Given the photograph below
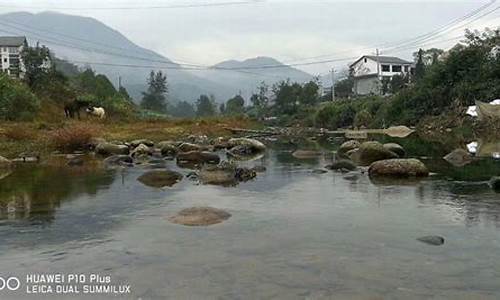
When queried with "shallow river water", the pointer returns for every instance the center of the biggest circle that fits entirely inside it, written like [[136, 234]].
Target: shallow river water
[[292, 235]]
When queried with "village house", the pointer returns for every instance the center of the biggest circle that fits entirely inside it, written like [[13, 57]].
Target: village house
[[10, 53], [370, 71]]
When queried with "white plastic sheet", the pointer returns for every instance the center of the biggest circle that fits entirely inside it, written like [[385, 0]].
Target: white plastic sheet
[[472, 110]]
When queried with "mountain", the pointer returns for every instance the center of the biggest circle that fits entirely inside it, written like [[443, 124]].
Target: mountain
[[89, 42], [248, 74]]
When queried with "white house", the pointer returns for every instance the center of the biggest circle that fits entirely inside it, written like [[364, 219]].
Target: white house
[[10, 53], [369, 71]]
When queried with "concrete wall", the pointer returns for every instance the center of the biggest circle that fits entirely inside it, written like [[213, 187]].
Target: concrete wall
[[367, 86]]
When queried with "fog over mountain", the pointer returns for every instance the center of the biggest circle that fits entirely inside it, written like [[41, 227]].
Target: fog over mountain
[[89, 42]]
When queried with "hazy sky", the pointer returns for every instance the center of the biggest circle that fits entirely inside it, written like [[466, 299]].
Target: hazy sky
[[286, 30]]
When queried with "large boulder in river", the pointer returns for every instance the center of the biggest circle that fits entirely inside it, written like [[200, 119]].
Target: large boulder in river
[[396, 148], [370, 152], [226, 174], [111, 149], [200, 216], [348, 146], [141, 150], [398, 168], [188, 147], [199, 157], [167, 148], [4, 162], [252, 145], [458, 158], [160, 178]]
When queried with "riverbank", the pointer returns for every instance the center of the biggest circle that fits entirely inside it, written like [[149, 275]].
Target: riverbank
[[39, 139]]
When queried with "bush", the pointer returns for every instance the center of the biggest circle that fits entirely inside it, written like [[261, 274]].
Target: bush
[[335, 115], [74, 137], [363, 118], [17, 102]]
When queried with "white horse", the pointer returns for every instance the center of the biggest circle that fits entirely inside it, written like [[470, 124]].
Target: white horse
[[97, 111]]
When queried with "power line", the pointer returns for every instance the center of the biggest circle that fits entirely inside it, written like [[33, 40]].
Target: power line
[[428, 34], [193, 5]]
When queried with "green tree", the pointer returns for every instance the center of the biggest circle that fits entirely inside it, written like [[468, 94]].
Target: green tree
[[36, 62], [260, 100], [17, 102], [420, 65], [205, 107], [155, 98], [235, 106], [344, 87]]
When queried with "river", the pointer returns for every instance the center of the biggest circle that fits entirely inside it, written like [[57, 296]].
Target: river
[[293, 234]]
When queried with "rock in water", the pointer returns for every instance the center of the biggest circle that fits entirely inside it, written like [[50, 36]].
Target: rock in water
[[495, 183], [198, 157], [167, 148], [141, 150], [200, 216], [370, 152], [253, 146], [433, 240], [396, 148], [111, 149], [458, 158], [348, 146], [226, 174], [342, 164], [188, 147], [136, 143], [160, 179], [398, 168], [319, 171]]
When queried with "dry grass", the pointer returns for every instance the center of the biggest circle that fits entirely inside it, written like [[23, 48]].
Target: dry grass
[[76, 136], [64, 135]]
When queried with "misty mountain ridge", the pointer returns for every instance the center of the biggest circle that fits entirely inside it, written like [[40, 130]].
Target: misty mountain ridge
[[88, 42]]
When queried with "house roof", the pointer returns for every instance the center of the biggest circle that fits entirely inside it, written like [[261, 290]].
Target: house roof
[[12, 41], [384, 60]]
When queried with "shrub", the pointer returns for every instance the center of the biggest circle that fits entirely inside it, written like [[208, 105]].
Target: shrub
[[363, 118], [19, 133], [75, 137], [17, 103]]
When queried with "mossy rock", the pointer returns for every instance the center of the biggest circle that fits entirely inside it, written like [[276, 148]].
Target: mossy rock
[[160, 178], [399, 168], [200, 216], [370, 152]]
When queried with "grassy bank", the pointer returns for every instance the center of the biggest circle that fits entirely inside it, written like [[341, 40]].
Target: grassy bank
[[38, 138]]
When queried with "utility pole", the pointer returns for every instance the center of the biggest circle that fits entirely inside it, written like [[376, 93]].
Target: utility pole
[[333, 84], [119, 82], [378, 63]]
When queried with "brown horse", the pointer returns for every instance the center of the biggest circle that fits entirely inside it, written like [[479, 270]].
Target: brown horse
[[74, 107]]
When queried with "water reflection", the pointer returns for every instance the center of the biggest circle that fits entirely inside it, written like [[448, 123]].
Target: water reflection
[[35, 192]]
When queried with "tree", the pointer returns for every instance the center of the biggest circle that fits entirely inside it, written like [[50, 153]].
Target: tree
[[344, 87], [260, 100], [420, 65], [156, 96], [205, 107], [429, 56], [36, 63], [309, 95], [235, 106], [397, 83]]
